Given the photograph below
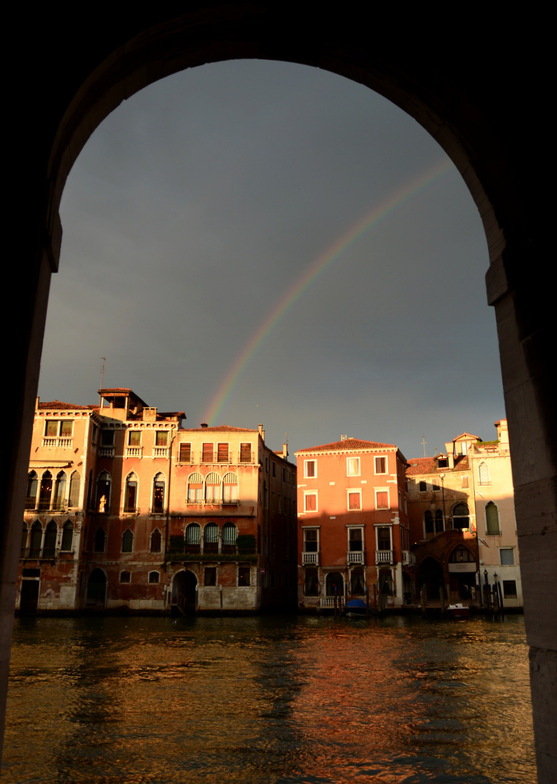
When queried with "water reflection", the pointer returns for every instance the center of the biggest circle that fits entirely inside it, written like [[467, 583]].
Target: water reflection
[[252, 700]]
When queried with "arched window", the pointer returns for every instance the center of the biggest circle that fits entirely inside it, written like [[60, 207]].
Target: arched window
[[211, 538], [127, 541], [311, 582], [334, 584], [24, 532], [483, 474], [195, 488], [461, 516], [36, 539], [45, 490], [158, 494], [49, 548], [32, 487], [60, 491], [67, 536], [130, 493], [193, 538], [125, 577], [154, 577], [75, 487], [100, 540], [492, 519], [229, 536], [230, 488], [428, 523], [213, 487], [439, 524], [103, 492], [156, 541]]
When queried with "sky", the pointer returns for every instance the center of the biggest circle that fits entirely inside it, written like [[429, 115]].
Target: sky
[[256, 242]]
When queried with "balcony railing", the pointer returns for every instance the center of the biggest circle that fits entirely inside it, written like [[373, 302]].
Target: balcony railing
[[57, 443], [134, 451], [355, 557], [160, 451], [408, 558], [310, 559], [384, 557]]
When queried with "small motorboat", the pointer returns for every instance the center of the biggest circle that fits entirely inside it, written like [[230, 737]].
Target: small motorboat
[[356, 608], [458, 610]]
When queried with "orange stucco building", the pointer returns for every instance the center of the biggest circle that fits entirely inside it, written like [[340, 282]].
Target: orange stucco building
[[353, 533], [126, 509]]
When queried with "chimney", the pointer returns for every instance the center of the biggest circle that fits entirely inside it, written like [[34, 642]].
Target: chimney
[[204, 424], [261, 431]]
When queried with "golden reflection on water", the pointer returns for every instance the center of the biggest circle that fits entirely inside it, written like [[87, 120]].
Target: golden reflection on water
[[271, 700]]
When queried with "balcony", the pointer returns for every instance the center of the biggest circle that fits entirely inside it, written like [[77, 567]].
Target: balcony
[[160, 451], [408, 558], [134, 451], [355, 557], [384, 557], [310, 559], [58, 442]]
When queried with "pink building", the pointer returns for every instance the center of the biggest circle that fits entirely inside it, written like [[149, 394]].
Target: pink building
[[353, 534]]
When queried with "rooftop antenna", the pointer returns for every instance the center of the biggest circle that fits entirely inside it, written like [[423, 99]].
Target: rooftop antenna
[[102, 378], [424, 442]]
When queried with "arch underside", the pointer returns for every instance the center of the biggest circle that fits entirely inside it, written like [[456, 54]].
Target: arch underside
[[464, 84]]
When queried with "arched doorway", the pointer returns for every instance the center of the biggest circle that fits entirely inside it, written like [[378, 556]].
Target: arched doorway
[[470, 108], [184, 592], [95, 598], [430, 579]]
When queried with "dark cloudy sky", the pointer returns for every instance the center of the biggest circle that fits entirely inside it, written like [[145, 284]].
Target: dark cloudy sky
[[199, 204]]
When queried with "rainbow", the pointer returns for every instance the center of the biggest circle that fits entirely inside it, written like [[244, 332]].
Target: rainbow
[[321, 264]]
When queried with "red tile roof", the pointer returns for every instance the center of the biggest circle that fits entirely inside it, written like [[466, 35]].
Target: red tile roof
[[218, 429], [347, 445], [58, 405]]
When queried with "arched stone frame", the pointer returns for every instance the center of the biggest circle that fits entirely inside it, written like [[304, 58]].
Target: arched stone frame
[[103, 492], [211, 536], [131, 491], [36, 539], [155, 541], [59, 496], [213, 487], [492, 519], [158, 495], [66, 543], [461, 516], [32, 490], [194, 488], [50, 539], [471, 111], [45, 491], [127, 541], [74, 496]]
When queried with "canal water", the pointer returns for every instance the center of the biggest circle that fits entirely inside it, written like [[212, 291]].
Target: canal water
[[263, 700]]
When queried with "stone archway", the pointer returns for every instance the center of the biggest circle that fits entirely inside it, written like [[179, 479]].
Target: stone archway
[[184, 592], [461, 87]]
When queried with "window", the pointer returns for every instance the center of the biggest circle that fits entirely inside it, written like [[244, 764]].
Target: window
[[127, 541], [492, 519], [24, 533], [60, 491], [67, 536], [193, 538], [130, 493], [245, 453], [230, 488], [154, 577], [355, 540], [156, 541], [103, 492], [310, 469], [161, 438], [428, 523], [158, 494], [483, 474], [352, 466], [380, 465], [58, 429], [334, 584], [229, 536], [207, 453], [125, 577], [354, 500], [45, 490], [36, 539], [211, 538], [32, 487], [311, 582], [422, 486], [244, 576], [461, 517], [210, 576], [49, 547], [381, 499], [311, 540], [439, 522], [213, 487], [383, 538], [222, 453], [195, 488], [506, 556], [107, 437], [75, 487], [357, 582], [310, 502], [509, 589], [134, 438], [185, 453]]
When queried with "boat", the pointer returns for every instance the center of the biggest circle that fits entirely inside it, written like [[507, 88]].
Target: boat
[[356, 608], [458, 610]]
